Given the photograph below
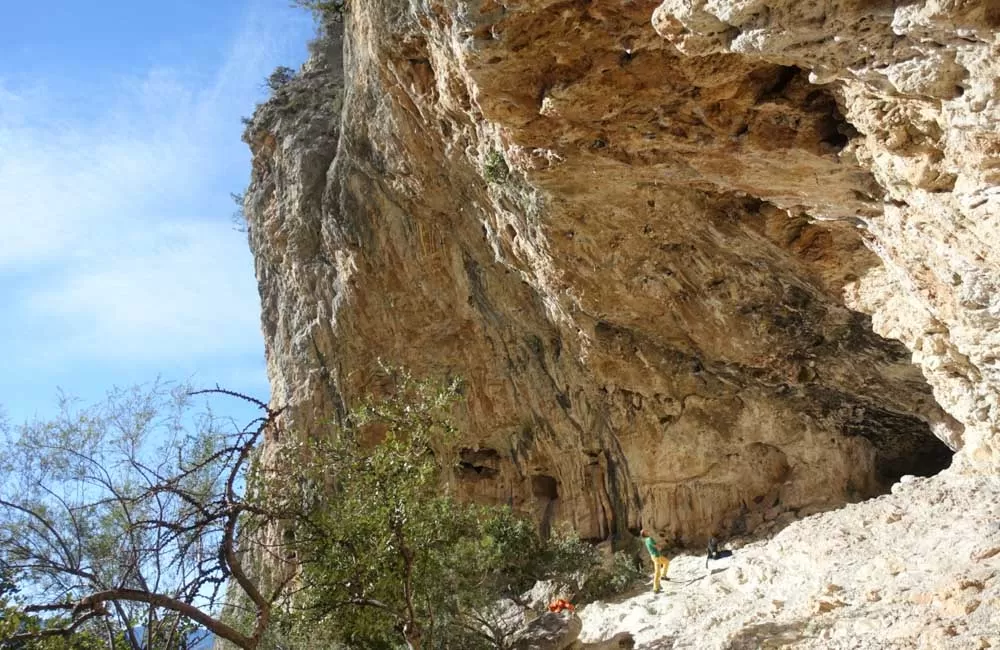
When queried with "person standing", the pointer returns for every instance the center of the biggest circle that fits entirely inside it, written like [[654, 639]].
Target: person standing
[[661, 563]]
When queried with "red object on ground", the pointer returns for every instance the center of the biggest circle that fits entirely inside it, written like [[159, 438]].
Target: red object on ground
[[560, 605]]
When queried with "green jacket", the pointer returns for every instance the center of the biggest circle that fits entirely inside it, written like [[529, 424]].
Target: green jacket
[[651, 547]]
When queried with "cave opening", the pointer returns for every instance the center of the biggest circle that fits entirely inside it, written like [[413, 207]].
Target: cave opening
[[904, 444], [545, 490]]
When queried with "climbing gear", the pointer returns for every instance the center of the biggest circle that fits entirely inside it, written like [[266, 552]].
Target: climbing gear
[[714, 552], [560, 605]]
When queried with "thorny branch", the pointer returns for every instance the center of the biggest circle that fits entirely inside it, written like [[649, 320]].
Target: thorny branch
[[178, 526]]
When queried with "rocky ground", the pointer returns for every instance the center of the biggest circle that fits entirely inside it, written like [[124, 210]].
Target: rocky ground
[[917, 568]]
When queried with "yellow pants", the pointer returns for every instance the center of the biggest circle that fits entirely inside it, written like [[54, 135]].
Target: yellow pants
[[660, 565]]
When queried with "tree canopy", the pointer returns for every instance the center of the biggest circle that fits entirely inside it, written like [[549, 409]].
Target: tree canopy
[[144, 518]]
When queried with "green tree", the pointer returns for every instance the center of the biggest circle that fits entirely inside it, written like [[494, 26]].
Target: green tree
[[279, 77], [21, 631], [388, 553]]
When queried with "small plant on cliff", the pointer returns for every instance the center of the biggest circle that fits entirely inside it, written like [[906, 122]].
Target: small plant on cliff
[[495, 169], [238, 217], [279, 77], [325, 10]]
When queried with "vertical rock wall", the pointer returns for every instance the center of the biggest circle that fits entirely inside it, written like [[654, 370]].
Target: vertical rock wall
[[650, 257]]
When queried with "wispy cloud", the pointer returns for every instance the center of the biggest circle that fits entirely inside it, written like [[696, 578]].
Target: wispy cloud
[[64, 186], [180, 289], [117, 245]]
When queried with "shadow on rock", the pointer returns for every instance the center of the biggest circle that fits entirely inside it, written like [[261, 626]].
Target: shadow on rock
[[770, 636]]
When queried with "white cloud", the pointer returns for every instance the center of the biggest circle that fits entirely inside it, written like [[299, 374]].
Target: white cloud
[[66, 183], [176, 291], [117, 245], [63, 193]]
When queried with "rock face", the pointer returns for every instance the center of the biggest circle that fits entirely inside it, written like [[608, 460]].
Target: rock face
[[550, 631], [699, 264]]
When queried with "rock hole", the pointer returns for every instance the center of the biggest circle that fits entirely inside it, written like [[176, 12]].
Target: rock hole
[[991, 15], [544, 487], [834, 129], [478, 464], [783, 76], [835, 139], [483, 32], [903, 443]]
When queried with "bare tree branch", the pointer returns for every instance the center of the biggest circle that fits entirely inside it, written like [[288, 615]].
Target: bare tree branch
[[119, 522], [188, 610], [58, 631]]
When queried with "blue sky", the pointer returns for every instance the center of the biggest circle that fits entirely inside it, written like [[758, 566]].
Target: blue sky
[[119, 147]]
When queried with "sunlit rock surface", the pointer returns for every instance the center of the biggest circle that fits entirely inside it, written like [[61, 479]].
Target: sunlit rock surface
[[918, 568], [702, 265]]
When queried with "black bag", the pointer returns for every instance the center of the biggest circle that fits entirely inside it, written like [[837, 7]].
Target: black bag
[[714, 552]]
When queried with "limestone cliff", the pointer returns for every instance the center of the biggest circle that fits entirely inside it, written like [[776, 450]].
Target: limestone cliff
[[700, 263]]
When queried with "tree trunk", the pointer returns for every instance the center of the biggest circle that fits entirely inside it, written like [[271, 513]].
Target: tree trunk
[[413, 635]]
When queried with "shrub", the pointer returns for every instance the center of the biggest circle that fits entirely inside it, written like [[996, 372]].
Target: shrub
[[324, 10], [611, 577], [281, 76], [495, 169]]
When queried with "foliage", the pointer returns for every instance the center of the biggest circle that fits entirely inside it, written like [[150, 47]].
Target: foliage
[[380, 540], [238, 217], [131, 509], [138, 511], [611, 577], [279, 77], [495, 169], [15, 622], [388, 556], [324, 10]]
